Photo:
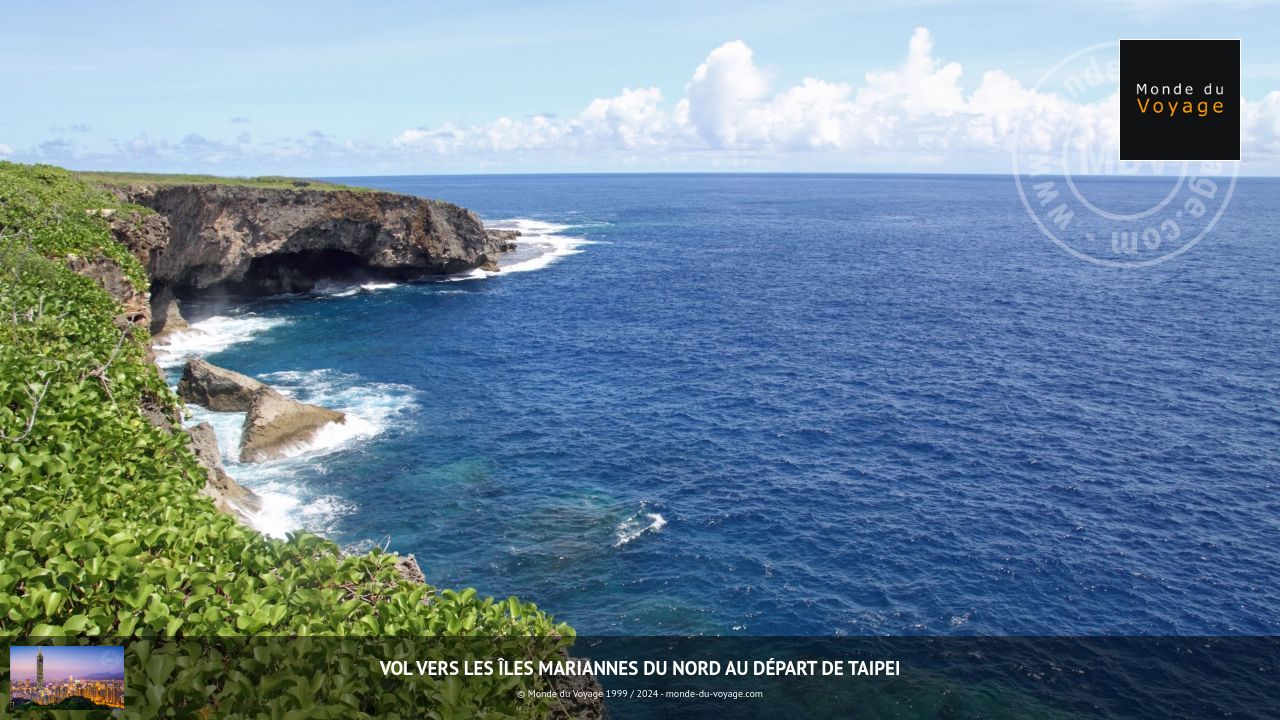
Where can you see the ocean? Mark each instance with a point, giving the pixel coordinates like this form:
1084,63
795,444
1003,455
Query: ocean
796,405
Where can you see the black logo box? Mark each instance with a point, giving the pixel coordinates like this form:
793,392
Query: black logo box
1180,66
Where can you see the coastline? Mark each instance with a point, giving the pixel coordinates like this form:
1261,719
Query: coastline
94,433
370,408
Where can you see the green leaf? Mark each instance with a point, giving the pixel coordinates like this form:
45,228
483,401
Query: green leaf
47,631
76,623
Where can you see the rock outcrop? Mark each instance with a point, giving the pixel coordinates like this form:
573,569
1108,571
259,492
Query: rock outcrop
144,234
166,314
274,423
249,241
216,388
407,567
228,495
135,304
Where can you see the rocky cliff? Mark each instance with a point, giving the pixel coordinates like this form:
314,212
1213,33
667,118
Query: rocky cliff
143,236
246,241
249,241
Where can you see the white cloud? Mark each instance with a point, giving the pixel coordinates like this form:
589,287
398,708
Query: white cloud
918,107
919,86
5,150
630,120
1261,121
729,115
723,92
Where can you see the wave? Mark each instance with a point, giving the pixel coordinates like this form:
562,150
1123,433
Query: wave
528,226
369,408
346,289
539,245
284,511
637,525
210,336
287,504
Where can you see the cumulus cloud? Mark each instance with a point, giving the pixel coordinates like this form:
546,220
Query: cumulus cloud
921,85
724,89
729,106
630,120
729,113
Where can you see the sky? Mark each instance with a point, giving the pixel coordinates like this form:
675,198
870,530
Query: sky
339,88
63,662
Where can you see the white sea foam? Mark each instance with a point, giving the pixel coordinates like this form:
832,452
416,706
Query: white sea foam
284,511
341,289
212,335
637,525
540,244
226,425
287,505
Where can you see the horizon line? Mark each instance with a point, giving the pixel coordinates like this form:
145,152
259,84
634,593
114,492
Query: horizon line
624,173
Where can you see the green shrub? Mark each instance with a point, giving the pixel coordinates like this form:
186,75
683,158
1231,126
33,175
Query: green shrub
56,214
103,531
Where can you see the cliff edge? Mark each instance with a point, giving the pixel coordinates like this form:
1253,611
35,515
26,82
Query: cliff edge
248,241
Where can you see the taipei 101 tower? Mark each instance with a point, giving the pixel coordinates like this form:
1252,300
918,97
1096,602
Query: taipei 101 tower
40,668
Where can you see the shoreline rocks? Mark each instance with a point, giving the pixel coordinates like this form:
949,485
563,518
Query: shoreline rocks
216,388
228,495
274,423
166,315
503,240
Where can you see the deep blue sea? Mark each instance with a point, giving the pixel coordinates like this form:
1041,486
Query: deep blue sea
764,405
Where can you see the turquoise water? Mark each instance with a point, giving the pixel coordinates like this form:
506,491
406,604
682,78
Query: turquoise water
740,404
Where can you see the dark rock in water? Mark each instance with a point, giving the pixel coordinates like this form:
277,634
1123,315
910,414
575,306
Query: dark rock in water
216,388
504,240
250,241
275,422
228,495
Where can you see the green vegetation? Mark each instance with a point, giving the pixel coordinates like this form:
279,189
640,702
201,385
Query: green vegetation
43,208
103,532
266,181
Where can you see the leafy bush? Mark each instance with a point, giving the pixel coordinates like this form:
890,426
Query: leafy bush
103,531
47,208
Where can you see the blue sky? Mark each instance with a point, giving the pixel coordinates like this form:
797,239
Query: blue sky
326,88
